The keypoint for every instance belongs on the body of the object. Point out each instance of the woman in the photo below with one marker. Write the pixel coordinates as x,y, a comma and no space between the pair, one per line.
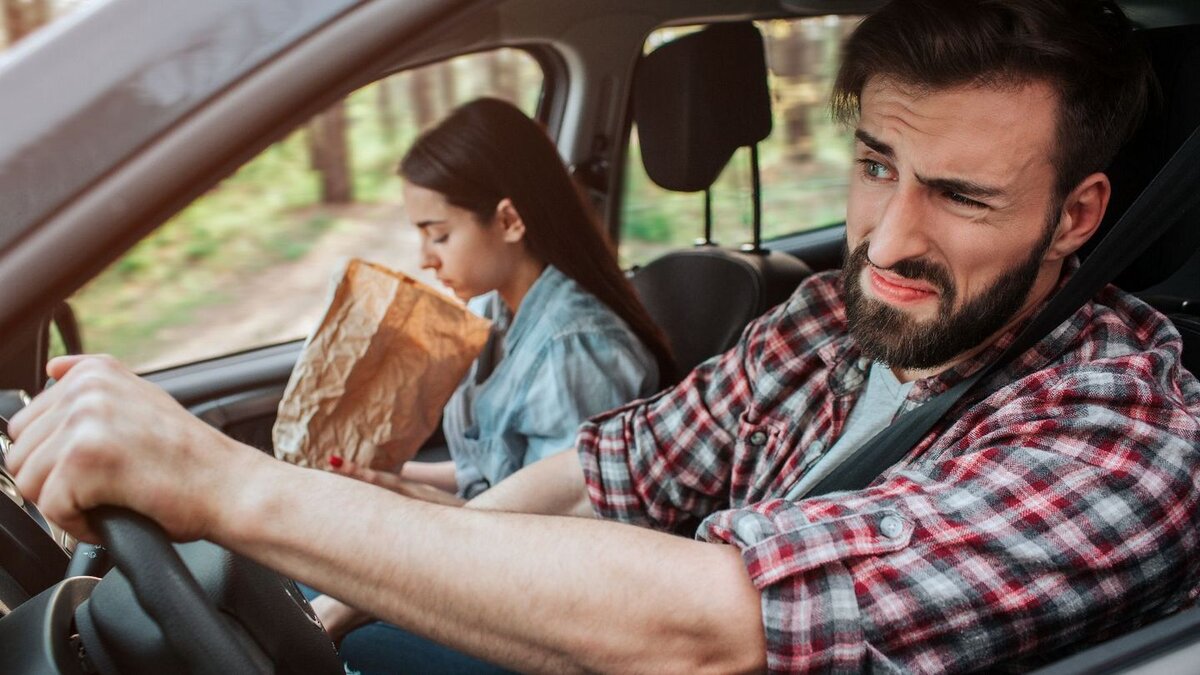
503,225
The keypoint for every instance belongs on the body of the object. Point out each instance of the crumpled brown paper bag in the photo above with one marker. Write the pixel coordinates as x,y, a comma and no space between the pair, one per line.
376,372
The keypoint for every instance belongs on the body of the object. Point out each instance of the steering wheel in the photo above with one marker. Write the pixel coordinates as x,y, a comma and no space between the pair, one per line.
170,595
279,637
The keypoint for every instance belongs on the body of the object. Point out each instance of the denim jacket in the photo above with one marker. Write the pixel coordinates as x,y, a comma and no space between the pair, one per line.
563,358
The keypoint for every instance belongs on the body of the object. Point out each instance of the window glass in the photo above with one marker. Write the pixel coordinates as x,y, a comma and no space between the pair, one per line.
249,263
19,18
804,164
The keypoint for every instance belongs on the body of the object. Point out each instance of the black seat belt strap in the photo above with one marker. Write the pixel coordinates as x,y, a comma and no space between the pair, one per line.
1173,195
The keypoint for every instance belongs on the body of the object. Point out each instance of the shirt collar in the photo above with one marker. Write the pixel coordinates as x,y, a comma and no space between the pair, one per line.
848,367
539,295
1033,359
842,356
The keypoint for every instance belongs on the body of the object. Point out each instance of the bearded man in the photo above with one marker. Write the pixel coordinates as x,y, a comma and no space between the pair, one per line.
1051,508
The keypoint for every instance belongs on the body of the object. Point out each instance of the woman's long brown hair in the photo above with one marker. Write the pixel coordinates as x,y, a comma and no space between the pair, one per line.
487,150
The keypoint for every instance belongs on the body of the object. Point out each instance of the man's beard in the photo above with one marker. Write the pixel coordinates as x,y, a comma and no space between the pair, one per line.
889,335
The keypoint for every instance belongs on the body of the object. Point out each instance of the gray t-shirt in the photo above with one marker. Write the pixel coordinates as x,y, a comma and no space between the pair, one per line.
872,413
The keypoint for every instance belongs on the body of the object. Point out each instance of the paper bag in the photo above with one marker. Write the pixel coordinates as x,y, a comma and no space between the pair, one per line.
376,372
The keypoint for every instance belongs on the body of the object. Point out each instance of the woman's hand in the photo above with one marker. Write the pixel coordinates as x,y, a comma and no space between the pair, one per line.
338,617
384,479
393,482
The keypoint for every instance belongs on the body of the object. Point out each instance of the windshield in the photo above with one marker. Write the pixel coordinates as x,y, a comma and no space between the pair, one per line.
69,120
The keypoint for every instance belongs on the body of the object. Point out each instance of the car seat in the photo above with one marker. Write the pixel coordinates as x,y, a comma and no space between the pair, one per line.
696,101
1167,275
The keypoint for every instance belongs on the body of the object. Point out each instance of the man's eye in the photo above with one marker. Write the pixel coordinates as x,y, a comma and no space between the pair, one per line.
440,239
965,201
873,169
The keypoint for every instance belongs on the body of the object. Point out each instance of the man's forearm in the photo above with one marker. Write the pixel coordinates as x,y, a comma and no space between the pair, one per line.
553,486
532,592
537,593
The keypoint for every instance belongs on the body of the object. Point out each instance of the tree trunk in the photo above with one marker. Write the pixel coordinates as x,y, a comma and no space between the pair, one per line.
421,95
22,17
387,111
449,82
503,74
329,154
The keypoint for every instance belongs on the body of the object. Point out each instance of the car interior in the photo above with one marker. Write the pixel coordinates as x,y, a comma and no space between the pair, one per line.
204,88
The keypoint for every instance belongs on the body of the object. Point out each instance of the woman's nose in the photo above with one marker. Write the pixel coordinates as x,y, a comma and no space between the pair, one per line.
428,260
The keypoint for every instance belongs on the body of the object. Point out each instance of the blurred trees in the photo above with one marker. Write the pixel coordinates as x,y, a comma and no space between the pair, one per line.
420,93
196,287
22,17
329,154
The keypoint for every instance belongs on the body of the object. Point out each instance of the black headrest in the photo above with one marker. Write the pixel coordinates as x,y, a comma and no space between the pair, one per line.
1175,55
699,98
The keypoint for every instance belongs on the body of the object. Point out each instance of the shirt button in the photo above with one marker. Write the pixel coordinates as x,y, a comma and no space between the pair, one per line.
752,528
891,526
758,437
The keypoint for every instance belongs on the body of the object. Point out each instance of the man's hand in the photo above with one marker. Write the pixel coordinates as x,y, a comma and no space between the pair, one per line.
102,435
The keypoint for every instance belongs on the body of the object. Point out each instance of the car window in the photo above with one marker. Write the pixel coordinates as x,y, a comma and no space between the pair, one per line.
20,18
804,163
249,263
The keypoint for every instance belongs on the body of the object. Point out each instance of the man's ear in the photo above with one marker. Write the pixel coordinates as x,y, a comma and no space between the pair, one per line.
1081,215
508,218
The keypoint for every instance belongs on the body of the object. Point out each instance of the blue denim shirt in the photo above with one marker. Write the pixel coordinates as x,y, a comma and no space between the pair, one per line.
564,358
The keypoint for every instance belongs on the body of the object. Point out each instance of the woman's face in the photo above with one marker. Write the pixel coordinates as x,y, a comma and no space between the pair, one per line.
468,257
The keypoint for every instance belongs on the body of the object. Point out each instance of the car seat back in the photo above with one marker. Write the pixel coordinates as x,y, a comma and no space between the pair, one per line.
696,101
703,298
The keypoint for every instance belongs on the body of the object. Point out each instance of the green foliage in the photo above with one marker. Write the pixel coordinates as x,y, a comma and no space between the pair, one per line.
648,225
266,214
269,214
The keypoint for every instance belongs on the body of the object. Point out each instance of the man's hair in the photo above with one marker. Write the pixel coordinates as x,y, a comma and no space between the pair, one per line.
1083,48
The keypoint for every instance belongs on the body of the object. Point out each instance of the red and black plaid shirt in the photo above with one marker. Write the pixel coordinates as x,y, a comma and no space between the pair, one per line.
1061,509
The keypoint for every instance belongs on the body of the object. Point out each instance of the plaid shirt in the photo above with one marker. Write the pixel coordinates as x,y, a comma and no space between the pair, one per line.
1058,510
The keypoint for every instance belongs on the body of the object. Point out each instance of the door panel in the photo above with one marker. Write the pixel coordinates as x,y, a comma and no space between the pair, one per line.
237,394
240,394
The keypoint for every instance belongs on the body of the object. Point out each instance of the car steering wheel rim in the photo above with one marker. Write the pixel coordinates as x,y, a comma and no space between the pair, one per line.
171,596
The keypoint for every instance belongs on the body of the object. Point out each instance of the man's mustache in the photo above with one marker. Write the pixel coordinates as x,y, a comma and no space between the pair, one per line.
916,269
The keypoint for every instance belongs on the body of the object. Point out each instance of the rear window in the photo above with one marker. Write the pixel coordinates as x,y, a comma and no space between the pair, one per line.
804,164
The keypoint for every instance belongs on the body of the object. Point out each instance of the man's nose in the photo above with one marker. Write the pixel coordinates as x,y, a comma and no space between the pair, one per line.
901,232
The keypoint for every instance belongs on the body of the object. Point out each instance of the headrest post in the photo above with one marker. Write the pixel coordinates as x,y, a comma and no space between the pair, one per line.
708,219
756,197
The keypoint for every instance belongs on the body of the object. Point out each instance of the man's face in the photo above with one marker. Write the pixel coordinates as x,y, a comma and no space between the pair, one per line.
951,210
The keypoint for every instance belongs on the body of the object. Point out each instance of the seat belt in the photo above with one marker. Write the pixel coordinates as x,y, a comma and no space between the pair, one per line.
1172,196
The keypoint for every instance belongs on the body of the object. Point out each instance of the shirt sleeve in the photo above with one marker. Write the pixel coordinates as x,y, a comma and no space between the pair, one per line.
665,462
580,374
1055,521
